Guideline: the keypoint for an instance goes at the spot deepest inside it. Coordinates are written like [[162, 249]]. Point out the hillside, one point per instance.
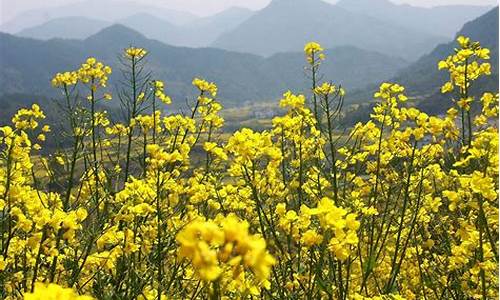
[[198, 33], [242, 77], [66, 27], [153, 27], [423, 79], [286, 25], [439, 20], [204, 31], [423, 76]]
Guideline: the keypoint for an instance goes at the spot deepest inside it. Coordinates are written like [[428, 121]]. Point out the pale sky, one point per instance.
[[10, 8]]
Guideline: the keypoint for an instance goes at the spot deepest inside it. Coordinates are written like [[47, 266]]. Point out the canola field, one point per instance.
[[404, 206]]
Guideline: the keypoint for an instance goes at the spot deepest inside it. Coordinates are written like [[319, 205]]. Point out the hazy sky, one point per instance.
[[10, 8]]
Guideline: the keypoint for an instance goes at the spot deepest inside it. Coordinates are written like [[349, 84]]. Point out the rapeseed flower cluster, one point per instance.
[[55, 292], [223, 250], [135, 53]]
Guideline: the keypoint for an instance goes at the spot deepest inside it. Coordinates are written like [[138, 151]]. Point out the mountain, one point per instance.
[[286, 25], [109, 10], [241, 77], [204, 31], [21, 56], [65, 27], [198, 33], [346, 65], [153, 27], [422, 78], [439, 20]]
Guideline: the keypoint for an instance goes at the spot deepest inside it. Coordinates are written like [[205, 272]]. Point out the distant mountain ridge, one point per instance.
[[204, 31], [423, 75], [285, 25], [73, 27], [422, 78], [282, 26], [106, 10], [241, 77], [199, 32], [438, 20]]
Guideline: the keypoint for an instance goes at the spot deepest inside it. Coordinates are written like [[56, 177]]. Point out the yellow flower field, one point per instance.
[[404, 206]]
